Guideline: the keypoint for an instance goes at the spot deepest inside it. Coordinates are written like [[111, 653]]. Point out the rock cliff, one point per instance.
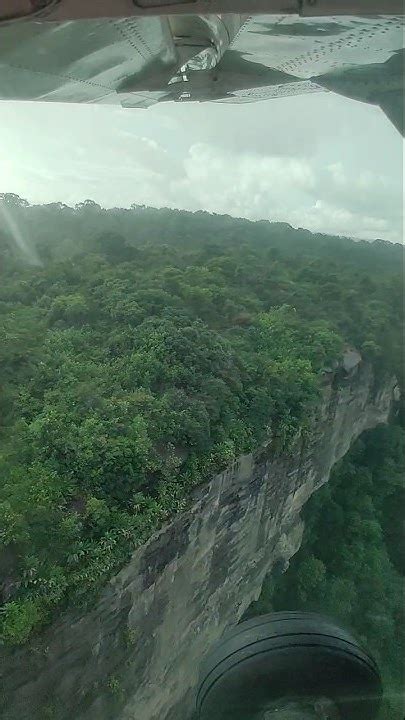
[[136, 654]]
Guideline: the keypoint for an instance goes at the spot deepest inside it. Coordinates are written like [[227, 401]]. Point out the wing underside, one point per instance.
[[137, 62]]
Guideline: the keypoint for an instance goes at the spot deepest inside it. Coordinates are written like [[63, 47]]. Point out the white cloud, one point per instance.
[[324, 217], [240, 184], [326, 199], [320, 162], [337, 174]]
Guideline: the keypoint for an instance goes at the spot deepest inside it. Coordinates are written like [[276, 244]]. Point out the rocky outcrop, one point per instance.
[[136, 655]]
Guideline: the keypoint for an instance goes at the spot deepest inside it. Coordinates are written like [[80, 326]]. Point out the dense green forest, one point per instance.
[[141, 350], [351, 564]]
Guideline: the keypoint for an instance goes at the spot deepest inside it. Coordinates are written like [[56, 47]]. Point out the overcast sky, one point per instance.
[[319, 161]]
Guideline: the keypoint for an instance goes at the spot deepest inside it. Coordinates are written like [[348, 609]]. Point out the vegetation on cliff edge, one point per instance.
[[143, 350]]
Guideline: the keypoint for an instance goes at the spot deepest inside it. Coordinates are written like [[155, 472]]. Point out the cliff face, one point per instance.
[[136, 655]]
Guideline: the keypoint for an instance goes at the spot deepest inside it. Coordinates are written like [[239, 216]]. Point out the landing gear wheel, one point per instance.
[[287, 655]]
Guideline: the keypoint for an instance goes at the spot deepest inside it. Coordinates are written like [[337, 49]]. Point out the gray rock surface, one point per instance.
[[351, 359], [136, 655]]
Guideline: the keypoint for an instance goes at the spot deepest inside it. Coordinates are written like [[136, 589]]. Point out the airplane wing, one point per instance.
[[139, 61], [392, 104], [379, 84]]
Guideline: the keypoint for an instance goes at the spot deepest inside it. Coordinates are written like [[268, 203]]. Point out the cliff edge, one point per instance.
[[136, 654]]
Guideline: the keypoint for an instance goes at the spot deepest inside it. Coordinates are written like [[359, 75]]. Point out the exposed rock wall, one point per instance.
[[136, 655]]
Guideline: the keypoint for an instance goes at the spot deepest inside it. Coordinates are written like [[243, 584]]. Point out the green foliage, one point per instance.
[[130, 637], [19, 617], [310, 576], [141, 357], [115, 688], [346, 566]]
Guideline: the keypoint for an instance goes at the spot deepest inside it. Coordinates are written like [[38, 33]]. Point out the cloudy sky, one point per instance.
[[319, 161]]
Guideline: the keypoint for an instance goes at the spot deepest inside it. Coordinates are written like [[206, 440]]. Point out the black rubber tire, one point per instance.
[[287, 654]]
